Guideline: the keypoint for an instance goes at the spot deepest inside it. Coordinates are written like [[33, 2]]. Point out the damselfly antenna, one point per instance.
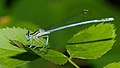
[[43, 33]]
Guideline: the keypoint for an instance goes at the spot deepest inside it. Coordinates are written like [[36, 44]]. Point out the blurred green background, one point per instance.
[[34, 14]]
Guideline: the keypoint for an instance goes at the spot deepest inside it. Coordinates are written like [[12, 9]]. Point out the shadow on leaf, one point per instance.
[[26, 56]]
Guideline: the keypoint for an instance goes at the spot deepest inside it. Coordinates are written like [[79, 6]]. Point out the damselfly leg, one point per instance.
[[40, 42], [47, 39], [32, 43], [46, 43], [37, 40]]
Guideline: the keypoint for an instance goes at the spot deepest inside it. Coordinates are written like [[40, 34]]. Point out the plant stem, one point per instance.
[[69, 59]]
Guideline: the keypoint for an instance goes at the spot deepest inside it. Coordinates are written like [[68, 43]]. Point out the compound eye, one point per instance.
[[28, 34]]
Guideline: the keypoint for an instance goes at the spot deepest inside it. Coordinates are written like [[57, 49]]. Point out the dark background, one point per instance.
[[34, 14]]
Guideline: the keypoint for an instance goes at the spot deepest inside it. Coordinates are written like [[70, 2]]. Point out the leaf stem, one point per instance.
[[69, 59]]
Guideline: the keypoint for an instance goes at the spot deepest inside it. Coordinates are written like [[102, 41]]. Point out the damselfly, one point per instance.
[[42, 33]]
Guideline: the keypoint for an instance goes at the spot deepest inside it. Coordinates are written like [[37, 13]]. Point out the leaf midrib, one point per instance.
[[91, 41]]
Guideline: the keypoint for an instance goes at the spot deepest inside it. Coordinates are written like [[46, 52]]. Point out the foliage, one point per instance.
[[113, 65], [90, 43], [93, 42]]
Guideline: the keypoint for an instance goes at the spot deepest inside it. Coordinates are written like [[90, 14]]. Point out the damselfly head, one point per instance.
[[28, 35]]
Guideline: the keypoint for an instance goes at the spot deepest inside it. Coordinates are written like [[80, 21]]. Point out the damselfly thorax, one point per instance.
[[40, 32]]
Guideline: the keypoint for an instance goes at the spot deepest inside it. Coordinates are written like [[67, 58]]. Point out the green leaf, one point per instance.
[[51, 55], [113, 65], [15, 52], [93, 42], [12, 56], [8, 62], [5, 35], [55, 56]]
